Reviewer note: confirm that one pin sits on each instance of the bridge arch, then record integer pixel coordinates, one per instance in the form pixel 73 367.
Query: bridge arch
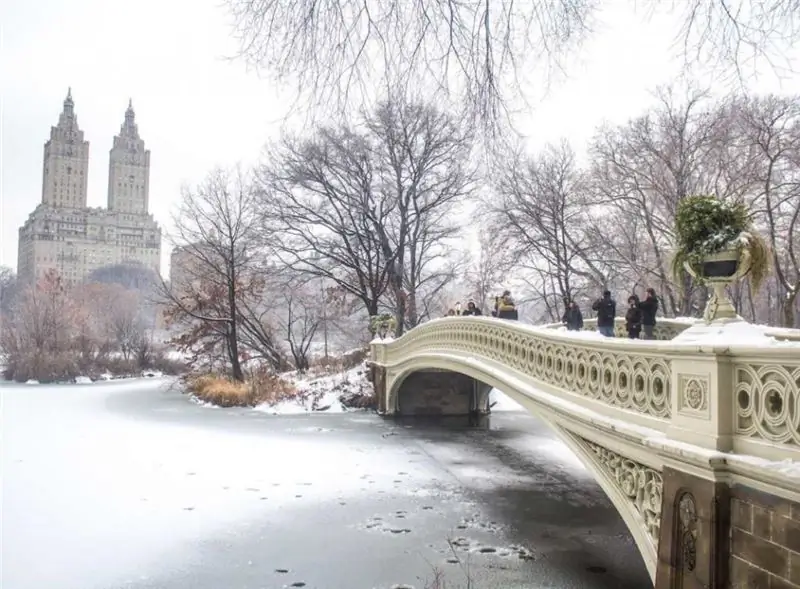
pixel 584 442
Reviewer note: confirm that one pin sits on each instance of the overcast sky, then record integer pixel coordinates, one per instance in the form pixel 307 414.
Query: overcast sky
pixel 195 109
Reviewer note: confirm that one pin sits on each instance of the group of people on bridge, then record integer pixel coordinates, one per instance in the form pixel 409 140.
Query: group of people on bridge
pixel 640 316
pixel 504 308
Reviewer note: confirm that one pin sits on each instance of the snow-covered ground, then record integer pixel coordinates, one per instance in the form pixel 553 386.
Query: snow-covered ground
pixel 126 485
pixel 82 487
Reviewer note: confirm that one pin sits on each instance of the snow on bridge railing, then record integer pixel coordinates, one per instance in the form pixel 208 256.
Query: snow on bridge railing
pixel 731 392
pixel 665 328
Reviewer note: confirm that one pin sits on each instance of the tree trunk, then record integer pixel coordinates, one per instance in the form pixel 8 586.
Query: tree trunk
pixel 233 353
pixel 400 309
pixel 233 334
pixel 788 309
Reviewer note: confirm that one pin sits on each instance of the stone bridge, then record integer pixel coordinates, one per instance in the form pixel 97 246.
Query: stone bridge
pixel 697 447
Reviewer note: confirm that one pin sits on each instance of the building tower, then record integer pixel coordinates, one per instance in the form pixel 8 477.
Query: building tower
pixel 66 162
pixel 129 169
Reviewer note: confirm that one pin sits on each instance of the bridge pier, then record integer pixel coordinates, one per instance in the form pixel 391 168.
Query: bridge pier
pixel 693 544
pixel 722 535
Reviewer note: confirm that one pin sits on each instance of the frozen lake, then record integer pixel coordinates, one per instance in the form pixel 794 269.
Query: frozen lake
pixel 129 485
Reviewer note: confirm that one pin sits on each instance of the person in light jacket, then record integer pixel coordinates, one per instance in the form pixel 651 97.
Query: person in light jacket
pixel 504 307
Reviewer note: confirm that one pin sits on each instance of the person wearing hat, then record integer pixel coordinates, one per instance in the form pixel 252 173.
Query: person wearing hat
pixel 504 306
pixel 606 309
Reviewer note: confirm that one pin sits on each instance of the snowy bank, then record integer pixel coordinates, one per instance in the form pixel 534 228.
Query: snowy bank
pixel 289 393
pixel 332 393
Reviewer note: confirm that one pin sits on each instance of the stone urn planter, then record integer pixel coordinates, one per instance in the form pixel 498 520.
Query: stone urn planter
pixel 718 245
pixel 382 325
pixel 719 271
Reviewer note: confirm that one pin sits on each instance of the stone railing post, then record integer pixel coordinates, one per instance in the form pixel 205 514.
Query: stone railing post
pixel 703 402
pixel 693 544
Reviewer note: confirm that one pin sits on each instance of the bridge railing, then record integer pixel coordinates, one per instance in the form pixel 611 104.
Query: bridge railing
pixel 665 329
pixel 735 397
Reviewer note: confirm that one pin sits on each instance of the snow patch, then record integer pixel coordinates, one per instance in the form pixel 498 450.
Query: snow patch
pixel 83 380
pixel 737 332
pixel 582 334
pixel 499 401
pixel 322 393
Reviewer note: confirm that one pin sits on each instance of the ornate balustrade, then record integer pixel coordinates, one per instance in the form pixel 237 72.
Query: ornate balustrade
pixel 738 398
pixel 766 397
pixel 665 329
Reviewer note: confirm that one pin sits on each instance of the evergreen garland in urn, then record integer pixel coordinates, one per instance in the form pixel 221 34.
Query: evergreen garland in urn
pixel 382 324
pixel 708 225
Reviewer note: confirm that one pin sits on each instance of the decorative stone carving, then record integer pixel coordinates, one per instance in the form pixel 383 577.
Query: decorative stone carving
pixel 665 329
pixel 642 485
pixel 768 402
pixel 628 379
pixel 687 531
pixel 693 391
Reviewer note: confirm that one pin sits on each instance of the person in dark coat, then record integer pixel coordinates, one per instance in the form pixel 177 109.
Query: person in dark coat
pixel 573 318
pixel 606 309
pixel 471 309
pixel 649 307
pixel 633 318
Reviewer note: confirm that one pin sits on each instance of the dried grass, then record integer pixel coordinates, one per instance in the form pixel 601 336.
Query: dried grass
pixel 262 388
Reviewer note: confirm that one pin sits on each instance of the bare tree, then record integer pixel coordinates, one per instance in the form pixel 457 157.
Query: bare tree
pixel 9 286
pixel 303 319
pixel 337 52
pixel 317 196
pixel 373 211
pixel 542 207
pixel 643 169
pixel 769 132
pixel 424 176
pixel 219 297
pixel 738 37
pixel 496 256
pixel 37 336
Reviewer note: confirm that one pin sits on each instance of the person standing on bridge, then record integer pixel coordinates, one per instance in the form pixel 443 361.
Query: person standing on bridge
pixel 633 318
pixel 573 318
pixel 504 307
pixel 649 307
pixel 606 313
pixel 472 309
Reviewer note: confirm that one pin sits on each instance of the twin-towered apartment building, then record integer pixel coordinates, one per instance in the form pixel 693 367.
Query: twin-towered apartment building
pixel 63 233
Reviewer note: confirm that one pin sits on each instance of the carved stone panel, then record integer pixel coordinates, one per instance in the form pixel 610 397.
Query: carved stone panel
pixel 693 395
pixel 640 484
pixel 687 532
pixel 768 402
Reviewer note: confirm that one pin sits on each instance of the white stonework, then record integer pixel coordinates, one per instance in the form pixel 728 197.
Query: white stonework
pixel 65 235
